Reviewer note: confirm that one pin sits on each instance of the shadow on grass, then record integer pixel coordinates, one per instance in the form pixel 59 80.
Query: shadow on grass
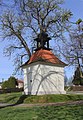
pixel 20 101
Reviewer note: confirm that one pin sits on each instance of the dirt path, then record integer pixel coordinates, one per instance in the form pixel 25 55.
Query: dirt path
pixel 52 104
pixel 3 105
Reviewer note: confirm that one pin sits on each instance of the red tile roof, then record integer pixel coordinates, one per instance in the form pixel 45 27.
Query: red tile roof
pixel 45 56
pixel 20 81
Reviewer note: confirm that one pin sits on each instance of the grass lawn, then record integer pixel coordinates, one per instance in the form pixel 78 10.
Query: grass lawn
pixel 67 112
pixel 42 113
pixel 19 98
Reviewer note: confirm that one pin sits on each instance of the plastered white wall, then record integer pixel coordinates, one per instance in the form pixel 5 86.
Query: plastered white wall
pixel 43 79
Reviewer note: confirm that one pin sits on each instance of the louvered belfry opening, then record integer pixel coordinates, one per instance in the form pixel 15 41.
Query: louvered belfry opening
pixel 42 41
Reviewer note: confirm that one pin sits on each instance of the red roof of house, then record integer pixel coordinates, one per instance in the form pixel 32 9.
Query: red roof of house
pixel 45 56
pixel 20 81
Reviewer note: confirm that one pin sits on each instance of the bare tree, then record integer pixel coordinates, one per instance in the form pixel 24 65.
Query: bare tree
pixel 22 23
pixel 72 48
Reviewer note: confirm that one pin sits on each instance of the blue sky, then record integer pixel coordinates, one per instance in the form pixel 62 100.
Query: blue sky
pixel 6 64
pixel 76 6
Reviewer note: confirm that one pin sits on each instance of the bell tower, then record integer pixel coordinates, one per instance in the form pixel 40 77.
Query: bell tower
pixel 42 41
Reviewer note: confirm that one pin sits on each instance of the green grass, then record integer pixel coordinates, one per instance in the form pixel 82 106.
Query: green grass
pixel 42 113
pixel 68 112
pixel 52 98
pixel 10 97
pixel 19 98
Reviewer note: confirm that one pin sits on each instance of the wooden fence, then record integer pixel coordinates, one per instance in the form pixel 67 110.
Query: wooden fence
pixel 77 88
pixel 11 90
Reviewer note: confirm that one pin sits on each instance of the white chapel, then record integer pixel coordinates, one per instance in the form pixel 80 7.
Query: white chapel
pixel 44 72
